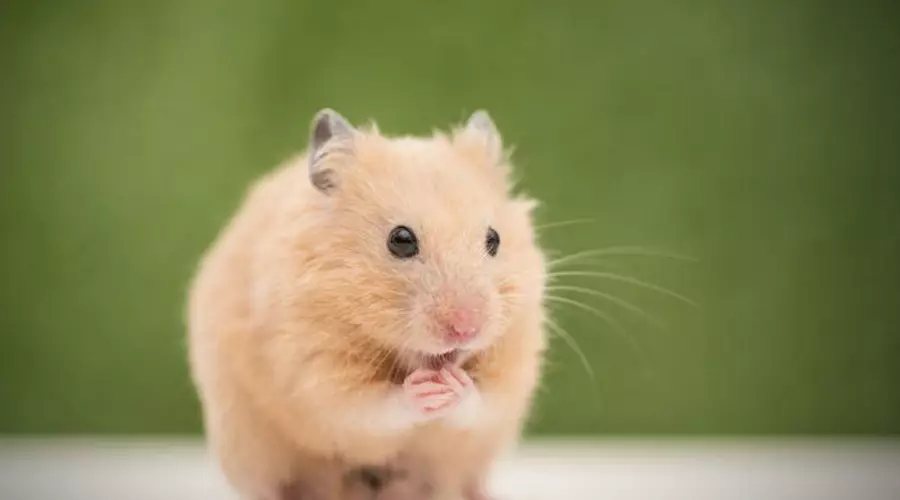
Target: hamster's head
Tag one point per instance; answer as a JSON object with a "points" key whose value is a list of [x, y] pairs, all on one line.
{"points": [[422, 245]]}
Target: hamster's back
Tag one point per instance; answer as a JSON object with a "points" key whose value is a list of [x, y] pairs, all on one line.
{"points": [[219, 309]]}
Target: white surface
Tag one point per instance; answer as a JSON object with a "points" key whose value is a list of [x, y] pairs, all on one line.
{"points": [[614, 470]]}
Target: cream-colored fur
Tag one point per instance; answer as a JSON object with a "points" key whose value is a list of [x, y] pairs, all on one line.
{"points": [[298, 314]]}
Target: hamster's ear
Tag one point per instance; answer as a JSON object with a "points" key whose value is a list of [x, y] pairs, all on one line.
{"points": [[480, 132], [330, 133], [481, 123]]}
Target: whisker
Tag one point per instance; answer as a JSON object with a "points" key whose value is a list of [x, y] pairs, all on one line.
{"points": [[612, 298], [396, 358], [600, 314], [375, 361], [562, 223], [620, 250], [568, 339], [616, 326], [625, 279], [396, 352]]}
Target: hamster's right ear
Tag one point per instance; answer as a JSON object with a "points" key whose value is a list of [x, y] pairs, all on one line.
{"points": [[330, 134]]}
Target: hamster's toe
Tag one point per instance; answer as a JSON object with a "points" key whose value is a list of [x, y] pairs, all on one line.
{"points": [[429, 393]]}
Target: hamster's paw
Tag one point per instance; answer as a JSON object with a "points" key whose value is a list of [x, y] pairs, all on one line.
{"points": [[470, 410], [433, 393], [457, 378]]}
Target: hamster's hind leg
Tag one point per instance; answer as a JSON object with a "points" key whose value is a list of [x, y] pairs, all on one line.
{"points": [[389, 482], [314, 479], [478, 492]]}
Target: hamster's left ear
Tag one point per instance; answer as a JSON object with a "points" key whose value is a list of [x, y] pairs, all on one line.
{"points": [[331, 136], [480, 132]]}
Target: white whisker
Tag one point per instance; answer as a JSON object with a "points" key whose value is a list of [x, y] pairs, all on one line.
{"points": [[562, 223], [621, 250], [612, 298], [617, 328], [600, 314], [625, 279], [568, 339]]}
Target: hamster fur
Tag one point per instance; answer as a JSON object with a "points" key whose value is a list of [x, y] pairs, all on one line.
{"points": [[304, 328]]}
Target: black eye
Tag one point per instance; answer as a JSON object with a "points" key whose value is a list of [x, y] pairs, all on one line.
{"points": [[402, 242], [492, 242]]}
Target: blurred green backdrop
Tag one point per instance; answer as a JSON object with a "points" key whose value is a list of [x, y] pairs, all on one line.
{"points": [[759, 137]]}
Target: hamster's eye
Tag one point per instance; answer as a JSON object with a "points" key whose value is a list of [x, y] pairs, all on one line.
{"points": [[492, 242], [402, 242]]}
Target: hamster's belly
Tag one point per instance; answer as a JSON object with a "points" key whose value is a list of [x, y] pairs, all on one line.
{"points": [[352, 446], [454, 458]]}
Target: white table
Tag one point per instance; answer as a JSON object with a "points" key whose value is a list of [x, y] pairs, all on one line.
{"points": [[76, 469]]}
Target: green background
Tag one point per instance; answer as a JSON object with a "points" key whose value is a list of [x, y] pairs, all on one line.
{"points": [[759, 137]]}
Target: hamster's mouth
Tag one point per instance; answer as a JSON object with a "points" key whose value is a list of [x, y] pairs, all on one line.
{"points": [[436, 361], [414, 360]]}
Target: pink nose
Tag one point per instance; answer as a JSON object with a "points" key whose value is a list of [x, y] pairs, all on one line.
{"points": [[462, 325]]}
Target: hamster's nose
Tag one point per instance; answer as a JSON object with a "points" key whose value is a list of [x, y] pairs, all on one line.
{"points": [[462, 325]]}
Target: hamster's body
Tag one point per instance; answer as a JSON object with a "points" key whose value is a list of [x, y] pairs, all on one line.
{"points": [[319, 341]]}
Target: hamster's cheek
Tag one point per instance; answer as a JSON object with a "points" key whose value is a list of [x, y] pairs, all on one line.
{"points": [[418, 332]]}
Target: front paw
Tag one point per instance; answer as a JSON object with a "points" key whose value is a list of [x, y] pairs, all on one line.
{"points": [[435, 393], [471, 410]]}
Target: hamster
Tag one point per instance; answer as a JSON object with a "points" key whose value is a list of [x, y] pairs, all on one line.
{"points": [[373, 297]]}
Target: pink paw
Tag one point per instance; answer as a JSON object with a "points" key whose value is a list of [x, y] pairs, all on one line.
{"points": [[433, 393]]}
